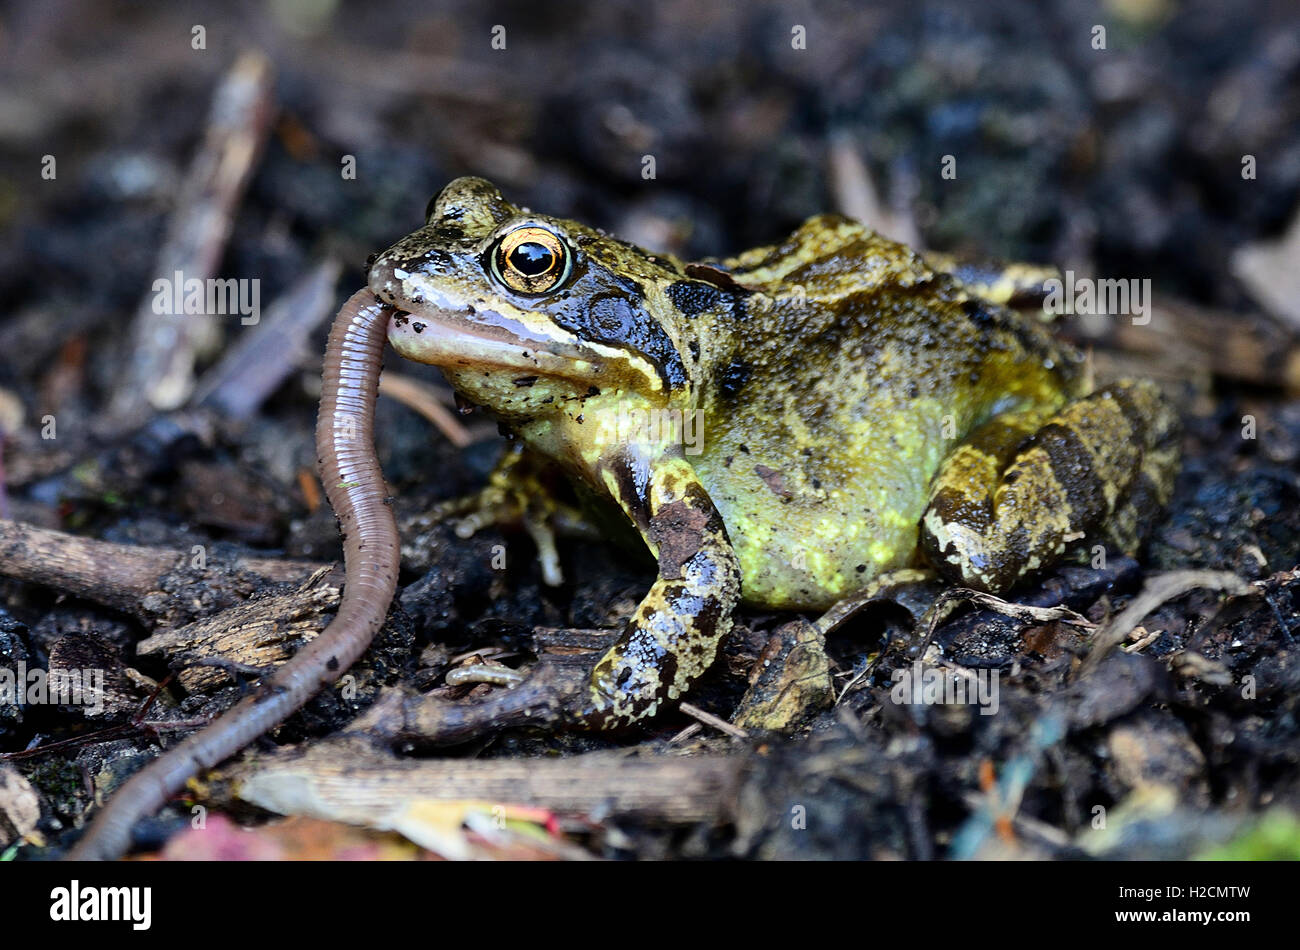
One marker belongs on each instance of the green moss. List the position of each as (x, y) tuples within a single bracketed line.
[(1275, 837)]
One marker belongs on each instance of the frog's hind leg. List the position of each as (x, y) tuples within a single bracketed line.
[(1152, 488), (1009, 500)]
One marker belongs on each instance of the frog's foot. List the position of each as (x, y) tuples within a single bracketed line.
[(661, 652), (506, 505), (518, 492), (1010, 500)]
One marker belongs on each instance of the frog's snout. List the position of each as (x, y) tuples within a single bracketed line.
[(385, 279)]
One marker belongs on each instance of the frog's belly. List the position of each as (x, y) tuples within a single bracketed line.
[(807, 535)]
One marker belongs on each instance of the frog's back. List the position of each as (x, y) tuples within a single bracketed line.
[(851, 370)]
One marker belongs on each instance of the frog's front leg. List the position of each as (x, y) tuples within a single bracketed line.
[(1009, 500), (669, 642), (674, 634)]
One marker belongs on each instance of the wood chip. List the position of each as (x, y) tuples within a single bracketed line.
[(256, 635)]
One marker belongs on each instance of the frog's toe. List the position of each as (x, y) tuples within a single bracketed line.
[(548, 556), (497, 506), (480, 513)]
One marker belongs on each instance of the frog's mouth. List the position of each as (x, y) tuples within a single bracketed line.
[(465, 337)]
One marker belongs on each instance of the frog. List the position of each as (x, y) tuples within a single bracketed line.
[(782, 428)]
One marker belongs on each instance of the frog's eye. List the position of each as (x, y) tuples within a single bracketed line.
[(531, 260)]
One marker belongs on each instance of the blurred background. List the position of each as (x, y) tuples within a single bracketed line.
[(1125, 161)]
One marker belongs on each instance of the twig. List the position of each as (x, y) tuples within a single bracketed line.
[(160, 371), (153, 697), (11, 419), (1183, 338), (116, 575), (113, 732), (956, 596), (1049, 835), (857, 677), (424, 399), (493, 673), (1270, 271), (686, 733), (695, 712), (232, 666), (350, 780), (1001, 803), (1148, 637), (856, 194), (1159, 590)]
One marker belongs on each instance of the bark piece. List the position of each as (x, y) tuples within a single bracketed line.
[(352, 781), (793, 680), (259, 634)]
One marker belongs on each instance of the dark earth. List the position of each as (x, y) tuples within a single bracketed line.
[(1122, 162)]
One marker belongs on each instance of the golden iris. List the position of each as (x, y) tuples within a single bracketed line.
[(531, 260)]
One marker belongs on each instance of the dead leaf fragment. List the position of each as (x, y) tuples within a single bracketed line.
[(20, 806)]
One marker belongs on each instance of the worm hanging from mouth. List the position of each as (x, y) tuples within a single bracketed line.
[(354, 484)]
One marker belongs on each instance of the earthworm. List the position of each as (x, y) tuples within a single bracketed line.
[(355, 487)]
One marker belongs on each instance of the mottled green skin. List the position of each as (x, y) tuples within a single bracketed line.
[(860, 376), (837, 378)]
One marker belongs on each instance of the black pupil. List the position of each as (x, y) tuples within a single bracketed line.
[(532, 259)]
